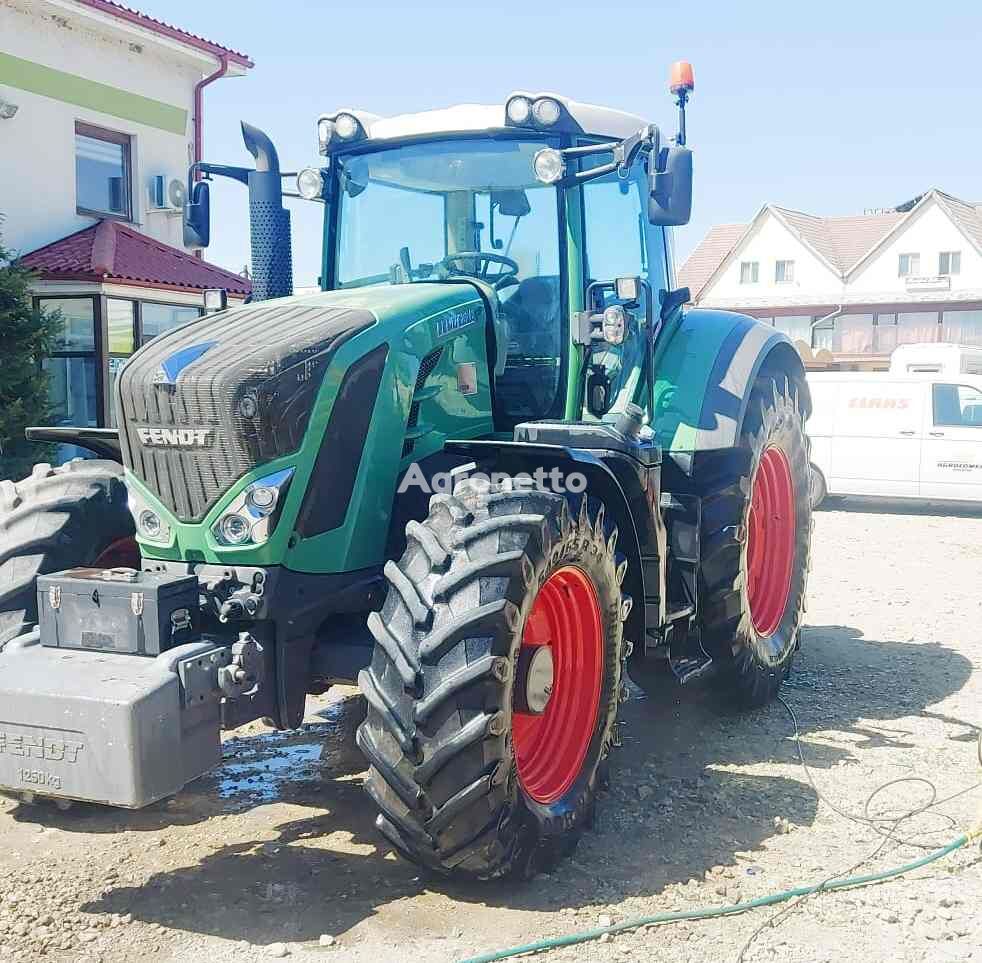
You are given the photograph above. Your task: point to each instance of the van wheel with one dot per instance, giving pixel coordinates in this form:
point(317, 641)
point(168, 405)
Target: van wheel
point(817, 489)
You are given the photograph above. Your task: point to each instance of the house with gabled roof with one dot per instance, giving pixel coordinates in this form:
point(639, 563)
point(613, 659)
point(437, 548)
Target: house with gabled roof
point(848, 290)
point(101, 115)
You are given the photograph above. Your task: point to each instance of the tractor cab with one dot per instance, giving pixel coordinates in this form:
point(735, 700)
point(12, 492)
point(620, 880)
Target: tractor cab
point(536, 202)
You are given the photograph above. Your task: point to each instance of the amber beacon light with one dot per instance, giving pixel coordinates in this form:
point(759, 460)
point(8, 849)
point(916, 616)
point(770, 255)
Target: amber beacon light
point(681, 82)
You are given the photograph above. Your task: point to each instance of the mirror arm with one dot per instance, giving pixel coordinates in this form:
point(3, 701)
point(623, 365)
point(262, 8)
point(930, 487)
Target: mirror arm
point(624, 153)
point(219, 170)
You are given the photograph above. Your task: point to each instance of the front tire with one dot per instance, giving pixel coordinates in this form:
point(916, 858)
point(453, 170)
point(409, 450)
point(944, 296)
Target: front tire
point(756, 543)
point(56, 519)
point(468, 779)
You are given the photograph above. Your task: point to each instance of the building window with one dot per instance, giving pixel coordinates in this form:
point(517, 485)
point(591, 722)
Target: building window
point(784, 272)
point(121, 326)
point(749, 272)
point(71, 366)
point(917, 327)
point(885, 334)
point(798, 327)
point(846, 334)
point(957, 406)
point(949, 262)
point(157, 318)
point(962, 327)
point(909, 265)
point(103, 177)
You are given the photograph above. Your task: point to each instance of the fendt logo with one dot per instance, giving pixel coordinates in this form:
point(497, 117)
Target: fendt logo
point(39, 747)
point(175, 437)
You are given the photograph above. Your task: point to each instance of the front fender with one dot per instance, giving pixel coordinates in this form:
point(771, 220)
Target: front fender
point(626, 500)
point(103, 441)
point(705, 364)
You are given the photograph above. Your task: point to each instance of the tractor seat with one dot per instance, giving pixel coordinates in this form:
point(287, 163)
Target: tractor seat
point(533, 314)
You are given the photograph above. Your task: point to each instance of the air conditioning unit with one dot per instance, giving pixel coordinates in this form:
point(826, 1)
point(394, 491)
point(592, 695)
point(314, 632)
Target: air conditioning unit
point(166, 195)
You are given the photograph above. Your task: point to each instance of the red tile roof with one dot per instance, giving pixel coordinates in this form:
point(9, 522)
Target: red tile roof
point(165, 30)
point(841, 241)
point(703, 261)
point(111, 251)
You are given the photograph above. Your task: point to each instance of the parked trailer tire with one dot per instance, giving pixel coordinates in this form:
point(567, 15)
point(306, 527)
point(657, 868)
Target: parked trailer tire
point(467, 779)
point(756, 535)
point(59, 518)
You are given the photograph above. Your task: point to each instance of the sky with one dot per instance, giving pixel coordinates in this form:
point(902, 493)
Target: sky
point(830, 108)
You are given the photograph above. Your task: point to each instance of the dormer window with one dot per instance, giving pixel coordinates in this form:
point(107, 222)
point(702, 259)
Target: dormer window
point(949, 262)
point(783, 272)
point(749, 272)
point(909, 265)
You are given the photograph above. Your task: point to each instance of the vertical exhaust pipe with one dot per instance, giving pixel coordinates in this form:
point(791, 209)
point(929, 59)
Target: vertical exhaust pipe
point(269, 221)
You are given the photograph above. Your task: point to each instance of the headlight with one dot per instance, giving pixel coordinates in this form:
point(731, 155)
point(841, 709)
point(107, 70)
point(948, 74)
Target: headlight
point(346, 126)
point(325, 131)
point(310, 183)
point(251, 518)
point(150, 527)
point(234, 529)
point(519, 109)
point(614, 324)
point(546, 111)
point(548, 165)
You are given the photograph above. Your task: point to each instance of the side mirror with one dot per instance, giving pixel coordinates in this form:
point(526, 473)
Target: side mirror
point(511, 203)
point(197, 216)
point(670, 187)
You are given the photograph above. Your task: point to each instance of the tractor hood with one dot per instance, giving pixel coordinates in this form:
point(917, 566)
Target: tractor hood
point(206, 403)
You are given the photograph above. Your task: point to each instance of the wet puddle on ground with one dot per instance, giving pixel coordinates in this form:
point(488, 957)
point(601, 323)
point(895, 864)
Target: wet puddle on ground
point(265, 767)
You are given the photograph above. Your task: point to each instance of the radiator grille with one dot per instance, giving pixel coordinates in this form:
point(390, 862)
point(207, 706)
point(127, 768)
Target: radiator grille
point(251, 393)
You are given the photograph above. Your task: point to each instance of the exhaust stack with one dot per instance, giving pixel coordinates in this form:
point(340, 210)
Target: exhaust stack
point(269, 220)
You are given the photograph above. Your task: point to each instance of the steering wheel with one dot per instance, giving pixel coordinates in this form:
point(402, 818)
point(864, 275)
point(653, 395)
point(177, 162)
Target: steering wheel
point(485, 259)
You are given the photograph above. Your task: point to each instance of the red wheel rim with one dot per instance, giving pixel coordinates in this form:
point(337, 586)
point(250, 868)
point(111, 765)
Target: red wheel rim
point(123, 553)
point(770, 541)
point(550, 748)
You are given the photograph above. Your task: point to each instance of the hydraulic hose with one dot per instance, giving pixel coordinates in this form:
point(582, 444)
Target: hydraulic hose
point(710, 912)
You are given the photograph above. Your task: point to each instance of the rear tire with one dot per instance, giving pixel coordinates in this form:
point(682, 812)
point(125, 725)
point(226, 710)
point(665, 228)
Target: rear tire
point(465, 781)
point(57, 518)
point(756, 542)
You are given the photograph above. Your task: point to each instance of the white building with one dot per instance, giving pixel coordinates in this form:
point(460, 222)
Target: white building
point(850, 289)
point(100, 117)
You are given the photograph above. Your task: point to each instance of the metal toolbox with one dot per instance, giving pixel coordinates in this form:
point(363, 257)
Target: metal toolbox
point(117, 610)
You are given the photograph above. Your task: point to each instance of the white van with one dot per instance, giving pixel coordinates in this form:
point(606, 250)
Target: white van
point(896, 435)
point(942, 359)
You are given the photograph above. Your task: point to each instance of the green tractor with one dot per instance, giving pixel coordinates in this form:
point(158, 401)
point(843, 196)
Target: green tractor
point(490, 470)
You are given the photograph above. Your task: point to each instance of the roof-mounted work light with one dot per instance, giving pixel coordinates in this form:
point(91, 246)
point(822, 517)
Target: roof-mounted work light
point(528, 110)
point(344, 127)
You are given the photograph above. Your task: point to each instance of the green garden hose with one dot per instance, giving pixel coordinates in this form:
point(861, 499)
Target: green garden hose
point(710, 912)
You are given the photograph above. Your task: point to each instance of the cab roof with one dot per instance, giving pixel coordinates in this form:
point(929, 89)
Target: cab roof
point(465, 118)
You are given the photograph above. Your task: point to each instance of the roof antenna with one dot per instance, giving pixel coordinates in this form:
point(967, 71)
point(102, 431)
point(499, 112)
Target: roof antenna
point(681, 83)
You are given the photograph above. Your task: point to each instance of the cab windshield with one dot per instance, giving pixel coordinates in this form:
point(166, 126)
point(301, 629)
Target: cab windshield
point(464, 208)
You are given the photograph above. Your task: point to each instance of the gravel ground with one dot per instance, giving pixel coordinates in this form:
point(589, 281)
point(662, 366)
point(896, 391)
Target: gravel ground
point(275, 854)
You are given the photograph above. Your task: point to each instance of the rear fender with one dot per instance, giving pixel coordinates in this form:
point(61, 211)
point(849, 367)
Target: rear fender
point(705, 366)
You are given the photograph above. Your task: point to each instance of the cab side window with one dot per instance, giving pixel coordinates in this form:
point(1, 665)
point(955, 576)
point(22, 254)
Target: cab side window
point(619, 241)
point(957, 406)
